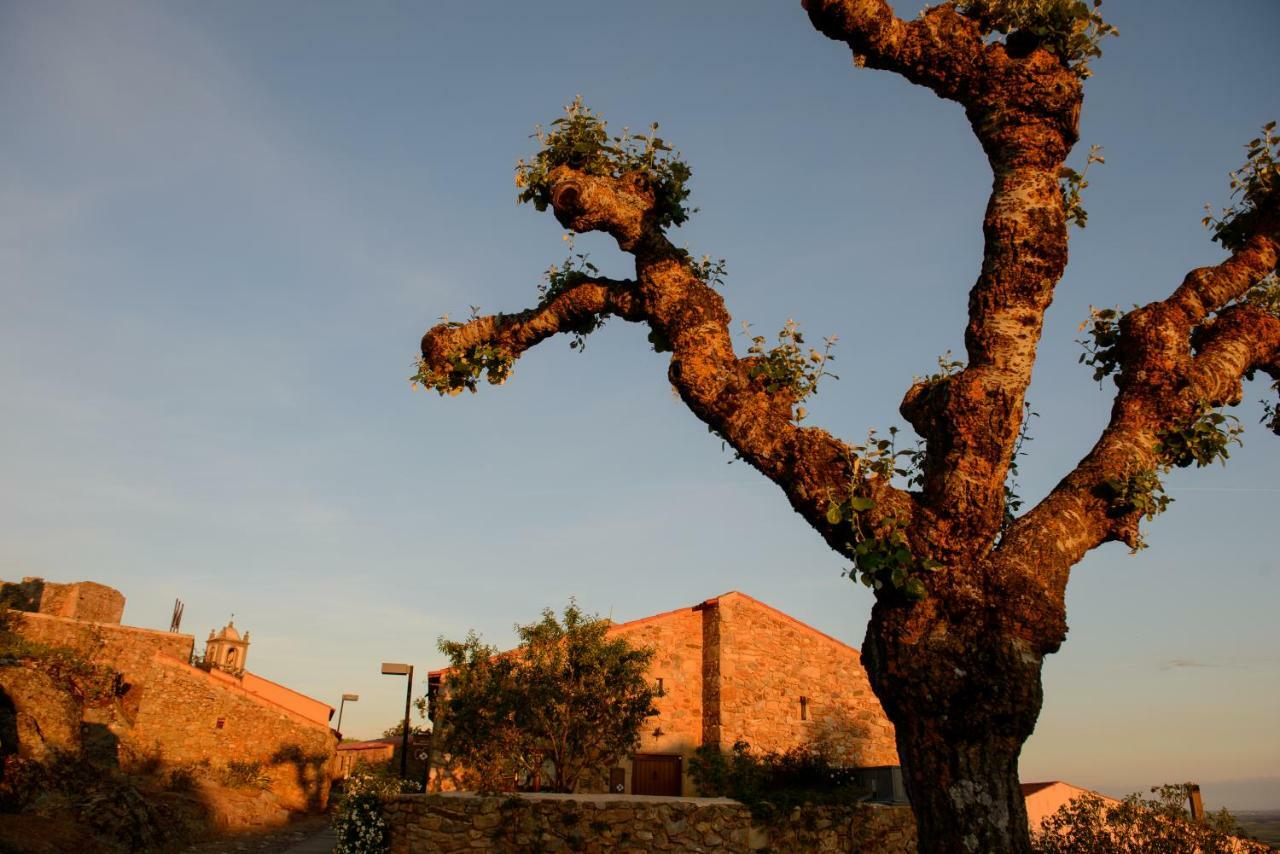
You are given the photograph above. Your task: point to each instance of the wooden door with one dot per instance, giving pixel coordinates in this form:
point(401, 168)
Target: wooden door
point(655, 774)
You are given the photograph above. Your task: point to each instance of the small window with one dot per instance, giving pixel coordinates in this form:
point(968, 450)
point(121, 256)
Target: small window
point(662, 692)
point(222, 722)
point(231, 657)
point(804, 708)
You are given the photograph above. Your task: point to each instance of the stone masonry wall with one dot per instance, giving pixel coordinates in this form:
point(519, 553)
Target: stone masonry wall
point(608, 823)
point(187, 715)
point(676, 638)
point(125, 648)
point(83, 600)
point(768, 661)
point(732, 668)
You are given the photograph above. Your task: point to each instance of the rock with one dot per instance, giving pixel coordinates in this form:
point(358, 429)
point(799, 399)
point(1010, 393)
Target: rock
point(45, 718)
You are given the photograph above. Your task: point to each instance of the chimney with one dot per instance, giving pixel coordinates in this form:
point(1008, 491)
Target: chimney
point(1197, 806)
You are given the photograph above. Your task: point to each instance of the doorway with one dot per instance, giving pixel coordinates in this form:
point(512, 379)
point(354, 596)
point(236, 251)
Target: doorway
point(655, 774)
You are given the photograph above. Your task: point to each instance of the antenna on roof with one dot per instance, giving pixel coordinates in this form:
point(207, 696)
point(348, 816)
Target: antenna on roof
point(176, 620)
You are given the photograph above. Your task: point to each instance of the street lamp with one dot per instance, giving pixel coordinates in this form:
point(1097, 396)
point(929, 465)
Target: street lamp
point(393, 669)
point(345, 699)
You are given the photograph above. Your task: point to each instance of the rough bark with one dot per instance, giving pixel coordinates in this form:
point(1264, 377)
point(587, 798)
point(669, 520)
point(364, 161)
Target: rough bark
point(960, 758)
point(958, 672)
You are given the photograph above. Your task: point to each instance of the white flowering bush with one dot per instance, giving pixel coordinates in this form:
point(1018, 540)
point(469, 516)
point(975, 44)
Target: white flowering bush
point(358, 819)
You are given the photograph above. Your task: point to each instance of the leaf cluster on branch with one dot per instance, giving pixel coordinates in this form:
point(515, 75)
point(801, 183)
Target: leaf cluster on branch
point(580, 140)
point(560, 279)
point(787, 366)
point(1201, 440)
point(1255, 187)
point(1101, 347)
point(1072, 30)
point(880, 549)
point(465, 369)
point(1073, 183)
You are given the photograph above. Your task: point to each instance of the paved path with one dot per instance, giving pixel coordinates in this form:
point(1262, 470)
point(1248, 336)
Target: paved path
point(310, 835)
point(321, 843)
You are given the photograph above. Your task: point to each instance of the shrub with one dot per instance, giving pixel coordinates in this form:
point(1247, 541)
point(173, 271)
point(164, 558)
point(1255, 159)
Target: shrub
point(358, 820)
point(1091, 825)
point(21, 782)
point(116, 810)
point(772, 784)
point(183, 778)
point(244, 775)
point(565, 703)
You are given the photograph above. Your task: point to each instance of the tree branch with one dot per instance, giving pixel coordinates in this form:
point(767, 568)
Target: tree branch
point(585, 302)
point(689, 318)
point(1024, 110)
point(941, 50)
point(971, 420)
point(1208, 289)
point(1163, 383)
point(1242, 339)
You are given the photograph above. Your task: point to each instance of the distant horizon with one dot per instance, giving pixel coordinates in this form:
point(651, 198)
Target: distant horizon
point(1250, 794)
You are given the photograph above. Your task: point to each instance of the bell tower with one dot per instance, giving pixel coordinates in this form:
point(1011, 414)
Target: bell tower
point(226, 650)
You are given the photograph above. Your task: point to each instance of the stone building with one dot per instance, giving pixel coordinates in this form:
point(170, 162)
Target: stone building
point(167, 710)
point(352, 754)
point(734, 669)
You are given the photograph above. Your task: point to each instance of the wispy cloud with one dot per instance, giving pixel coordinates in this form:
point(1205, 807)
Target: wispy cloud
point(1197, 664)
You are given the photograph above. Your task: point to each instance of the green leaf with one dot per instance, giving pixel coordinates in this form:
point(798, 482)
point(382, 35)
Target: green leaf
point(914, 588)
point(861, 503)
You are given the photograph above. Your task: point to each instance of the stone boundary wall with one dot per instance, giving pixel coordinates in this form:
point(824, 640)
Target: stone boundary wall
point(457, 821)
point(126, 648)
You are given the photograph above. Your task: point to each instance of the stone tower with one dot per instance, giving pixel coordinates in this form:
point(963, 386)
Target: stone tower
point(226, 650)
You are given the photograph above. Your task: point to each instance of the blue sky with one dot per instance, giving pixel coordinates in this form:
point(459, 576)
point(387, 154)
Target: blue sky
point(224, 227)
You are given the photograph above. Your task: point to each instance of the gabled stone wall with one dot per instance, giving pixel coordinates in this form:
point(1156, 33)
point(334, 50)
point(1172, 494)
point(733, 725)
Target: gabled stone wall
point(676, 638)
point(733, 668)
point(768, 661)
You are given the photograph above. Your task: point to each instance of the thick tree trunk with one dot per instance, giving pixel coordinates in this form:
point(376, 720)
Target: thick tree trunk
point(963, 695)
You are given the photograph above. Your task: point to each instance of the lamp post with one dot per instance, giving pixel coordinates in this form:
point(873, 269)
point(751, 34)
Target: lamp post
point(341, 706)
point(393, 669)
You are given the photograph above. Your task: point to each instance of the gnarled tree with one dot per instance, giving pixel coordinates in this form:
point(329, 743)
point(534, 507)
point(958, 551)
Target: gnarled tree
point(969, 599)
